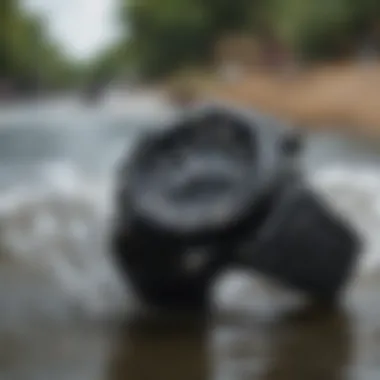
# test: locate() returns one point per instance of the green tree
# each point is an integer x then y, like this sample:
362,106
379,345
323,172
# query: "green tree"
322,28
27,54
165,34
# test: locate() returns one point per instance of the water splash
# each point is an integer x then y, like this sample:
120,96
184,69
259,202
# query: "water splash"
354,193
58,231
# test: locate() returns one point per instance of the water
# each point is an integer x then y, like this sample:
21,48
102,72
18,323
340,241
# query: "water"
63,302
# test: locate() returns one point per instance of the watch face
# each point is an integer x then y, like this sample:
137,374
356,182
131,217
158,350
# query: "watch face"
197,174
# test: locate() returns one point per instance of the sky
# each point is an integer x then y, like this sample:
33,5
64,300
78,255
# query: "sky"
82,27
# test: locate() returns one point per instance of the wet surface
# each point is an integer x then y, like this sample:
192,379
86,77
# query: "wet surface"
65,314
306,343
316,344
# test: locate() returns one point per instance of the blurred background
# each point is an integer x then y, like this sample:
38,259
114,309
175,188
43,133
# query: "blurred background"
312,62
80,80
243,50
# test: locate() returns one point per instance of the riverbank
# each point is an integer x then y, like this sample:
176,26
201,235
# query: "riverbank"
346,96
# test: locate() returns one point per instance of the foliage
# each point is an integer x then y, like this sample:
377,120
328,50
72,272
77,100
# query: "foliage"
323,28
165,35
27,55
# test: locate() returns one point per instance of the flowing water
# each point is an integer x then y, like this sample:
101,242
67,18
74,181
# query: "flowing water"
66,314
